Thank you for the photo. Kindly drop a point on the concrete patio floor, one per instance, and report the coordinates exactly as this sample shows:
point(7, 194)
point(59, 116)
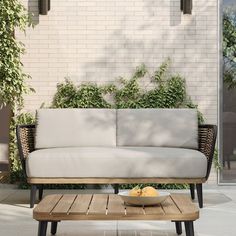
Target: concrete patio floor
point(217, 218)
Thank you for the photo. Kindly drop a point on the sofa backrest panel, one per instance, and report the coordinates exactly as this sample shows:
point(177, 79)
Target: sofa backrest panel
point(157, 127)
point(75, 128)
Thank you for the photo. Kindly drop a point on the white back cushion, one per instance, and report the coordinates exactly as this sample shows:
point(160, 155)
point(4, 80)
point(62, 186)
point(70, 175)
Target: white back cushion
point(157, 127)
point(75, 128)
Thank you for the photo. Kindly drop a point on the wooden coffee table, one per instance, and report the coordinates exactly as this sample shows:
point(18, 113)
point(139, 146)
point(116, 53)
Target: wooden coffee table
point(177, 208)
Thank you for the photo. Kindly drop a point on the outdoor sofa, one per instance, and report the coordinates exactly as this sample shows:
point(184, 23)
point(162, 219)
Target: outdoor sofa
point(109, 146)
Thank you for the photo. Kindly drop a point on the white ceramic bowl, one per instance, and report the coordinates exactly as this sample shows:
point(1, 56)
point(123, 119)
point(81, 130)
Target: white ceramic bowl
point(143, 201)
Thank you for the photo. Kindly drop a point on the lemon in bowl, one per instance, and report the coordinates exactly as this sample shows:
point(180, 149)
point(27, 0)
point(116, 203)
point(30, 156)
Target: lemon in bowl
point(147, 196)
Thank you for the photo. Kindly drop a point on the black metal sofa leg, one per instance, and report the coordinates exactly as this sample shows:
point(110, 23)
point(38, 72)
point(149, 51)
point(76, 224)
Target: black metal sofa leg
point(192, 191)
point(40, 187)
point(199, 195)
point(33, 195)
point(116, 188)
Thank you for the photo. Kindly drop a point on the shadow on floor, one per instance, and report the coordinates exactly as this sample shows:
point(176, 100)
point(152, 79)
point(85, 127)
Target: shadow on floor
point(212, 199)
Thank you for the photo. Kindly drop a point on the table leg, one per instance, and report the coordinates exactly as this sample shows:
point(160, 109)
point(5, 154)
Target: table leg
point(42, 228)
point(189, 229)
point(178, 226)
point(54, 227)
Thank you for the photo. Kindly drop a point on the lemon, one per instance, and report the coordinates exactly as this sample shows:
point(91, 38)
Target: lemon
point(149, 192)
point(135, 192)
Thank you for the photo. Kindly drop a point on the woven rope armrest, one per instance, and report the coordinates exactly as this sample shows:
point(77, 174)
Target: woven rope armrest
point(25, 141)
point(207, 140)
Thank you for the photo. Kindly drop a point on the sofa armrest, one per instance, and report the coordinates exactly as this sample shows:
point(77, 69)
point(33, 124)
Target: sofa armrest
point(207, 140)
point(25, 141)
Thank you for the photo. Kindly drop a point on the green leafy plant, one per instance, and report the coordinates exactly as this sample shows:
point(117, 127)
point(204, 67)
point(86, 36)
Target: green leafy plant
point(157, 186)
point(216, 162)
point(13, 15)
point(165, 91)
point(13, 86)
point(16, 174)
point(229, 47)
point(86, 96)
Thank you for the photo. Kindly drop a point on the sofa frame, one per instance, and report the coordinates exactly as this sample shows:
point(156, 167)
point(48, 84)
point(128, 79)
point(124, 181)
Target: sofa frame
point(206, 136)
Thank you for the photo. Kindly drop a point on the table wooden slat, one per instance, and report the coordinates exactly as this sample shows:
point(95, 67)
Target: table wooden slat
point(49, 203)
point(154, 210)
point(169, 207)
point(115, 205)
point(64, 204)
point(134, 210)
point(81, 204)
point(184, 203)
point(98, 204)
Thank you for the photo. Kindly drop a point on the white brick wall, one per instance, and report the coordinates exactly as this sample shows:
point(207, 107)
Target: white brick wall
point(98, 40)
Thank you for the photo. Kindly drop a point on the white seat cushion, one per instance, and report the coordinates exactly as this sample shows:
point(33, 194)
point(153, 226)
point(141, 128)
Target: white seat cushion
point(75, 128)
point(126, 162)
point(157, 127)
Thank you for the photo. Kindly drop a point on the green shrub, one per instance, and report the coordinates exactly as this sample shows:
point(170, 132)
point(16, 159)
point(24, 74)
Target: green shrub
point(158, 186)
point(164, 91)
point(86, 96)
point(17, 174)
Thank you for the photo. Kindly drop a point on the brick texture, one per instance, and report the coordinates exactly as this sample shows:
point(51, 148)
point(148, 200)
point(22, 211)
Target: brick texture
point(99, 40)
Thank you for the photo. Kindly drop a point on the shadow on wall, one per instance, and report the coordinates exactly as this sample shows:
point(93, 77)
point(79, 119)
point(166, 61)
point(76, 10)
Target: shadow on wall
point(148, 41)
point(175, 16)
point(129, 45)
point(33, 8)
point(125, 48)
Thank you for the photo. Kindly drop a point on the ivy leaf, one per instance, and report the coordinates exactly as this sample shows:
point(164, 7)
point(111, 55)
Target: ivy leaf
point(13, 16)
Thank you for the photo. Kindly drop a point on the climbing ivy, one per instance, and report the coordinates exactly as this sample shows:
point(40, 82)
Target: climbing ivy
point(164, 90)
point(13, 81)
point(86, 96)
point(13, 16)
